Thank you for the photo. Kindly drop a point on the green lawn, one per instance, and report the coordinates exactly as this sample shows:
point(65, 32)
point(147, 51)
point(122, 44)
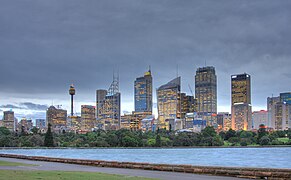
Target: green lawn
point(6, 163)
point(61, 175)
point(285, 140)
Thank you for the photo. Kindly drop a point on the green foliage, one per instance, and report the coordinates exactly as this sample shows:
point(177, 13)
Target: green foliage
point(151, 142)
point(158, 141)
point(49, 139)
point(4, 131)
point(229, 134)
point(265, 140)
point(127, 138)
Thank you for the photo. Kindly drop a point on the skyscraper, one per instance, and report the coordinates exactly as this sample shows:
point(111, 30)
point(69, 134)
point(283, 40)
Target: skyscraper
point(279, 111)
point(108, 107)
point(241, 108)
point(206, 94)
point(271, 102)
point(100, 97)
point(143, 100)
point(168, 103)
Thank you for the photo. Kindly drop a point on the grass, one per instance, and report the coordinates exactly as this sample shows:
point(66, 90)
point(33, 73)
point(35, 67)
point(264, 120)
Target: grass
point(61, 175)
point(285, 140)
point(6, 163)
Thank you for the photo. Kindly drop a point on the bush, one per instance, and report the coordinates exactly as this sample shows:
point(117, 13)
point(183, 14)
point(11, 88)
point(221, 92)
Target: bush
point(243, 143)
point(276, 142)
point(265, 140)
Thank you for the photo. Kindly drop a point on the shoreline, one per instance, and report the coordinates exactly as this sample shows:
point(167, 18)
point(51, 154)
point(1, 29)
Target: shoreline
point(176, 147)
point(247, 172)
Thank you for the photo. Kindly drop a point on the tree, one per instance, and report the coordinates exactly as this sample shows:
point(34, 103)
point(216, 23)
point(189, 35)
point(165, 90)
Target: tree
point(261, 133)
point(158, 141)
point(265, 140)
point(4, 131)
point(229, 134)
point(34, 130)
point(130, 141)
point(49, 139)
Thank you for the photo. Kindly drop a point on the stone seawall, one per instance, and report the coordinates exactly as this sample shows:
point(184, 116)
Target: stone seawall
point(266, 173)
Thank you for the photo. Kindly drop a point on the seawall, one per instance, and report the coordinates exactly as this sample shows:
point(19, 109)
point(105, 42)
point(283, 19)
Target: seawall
point(254, 173)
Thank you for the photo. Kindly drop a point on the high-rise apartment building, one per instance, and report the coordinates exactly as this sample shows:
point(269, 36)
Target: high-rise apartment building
point(206, 94)
point(143, 88)
point(9, 120)
point(241, 108)
point(57, 118)
point(282, 116)
point(108, 107)
point(169, 106)
point(88, 118)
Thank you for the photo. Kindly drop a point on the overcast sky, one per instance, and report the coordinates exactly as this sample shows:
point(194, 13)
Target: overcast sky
point(47, 45)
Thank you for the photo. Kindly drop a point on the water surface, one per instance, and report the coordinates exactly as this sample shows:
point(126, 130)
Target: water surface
point(232, 157)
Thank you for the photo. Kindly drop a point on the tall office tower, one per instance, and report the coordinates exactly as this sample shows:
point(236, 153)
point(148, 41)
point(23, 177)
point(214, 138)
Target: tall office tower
point(271, 102)
point(100, 97)
point(57, 118)
point(206, 94)
point(108, 107)
point(241, 108)
point(88, 118)
point(168, 103)
point(9, 120)
point(260, 117)
point(143, 90)
point(188, 105)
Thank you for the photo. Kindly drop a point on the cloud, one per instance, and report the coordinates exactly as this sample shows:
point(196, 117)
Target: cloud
point(26, 105)
point(50, 45)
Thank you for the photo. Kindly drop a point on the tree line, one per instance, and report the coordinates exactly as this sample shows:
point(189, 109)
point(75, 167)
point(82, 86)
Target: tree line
point(160, 138)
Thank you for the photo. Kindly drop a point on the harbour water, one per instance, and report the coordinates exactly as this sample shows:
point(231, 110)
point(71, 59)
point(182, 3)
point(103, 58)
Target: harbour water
point(277, 157)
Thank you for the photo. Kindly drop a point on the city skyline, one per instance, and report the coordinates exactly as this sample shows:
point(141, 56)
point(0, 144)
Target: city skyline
point(82, 44)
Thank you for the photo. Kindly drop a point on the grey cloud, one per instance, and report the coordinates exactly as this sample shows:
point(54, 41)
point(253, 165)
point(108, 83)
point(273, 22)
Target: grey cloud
point(26, 105)
point(50, 44)
point(10, 106)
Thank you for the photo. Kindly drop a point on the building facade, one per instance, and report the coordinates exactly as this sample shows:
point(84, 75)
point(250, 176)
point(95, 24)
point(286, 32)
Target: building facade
point(143, 90)
point(169, 106)
point(57, 118)
point(271, 102)
point(206, 94)
point(241, 108)
point(108, 107)
point(259, 118)
point(285, 98)
point(88, 118)
point(279, 111)
point(224, 121)
point(40, 123)
point(9, 120)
